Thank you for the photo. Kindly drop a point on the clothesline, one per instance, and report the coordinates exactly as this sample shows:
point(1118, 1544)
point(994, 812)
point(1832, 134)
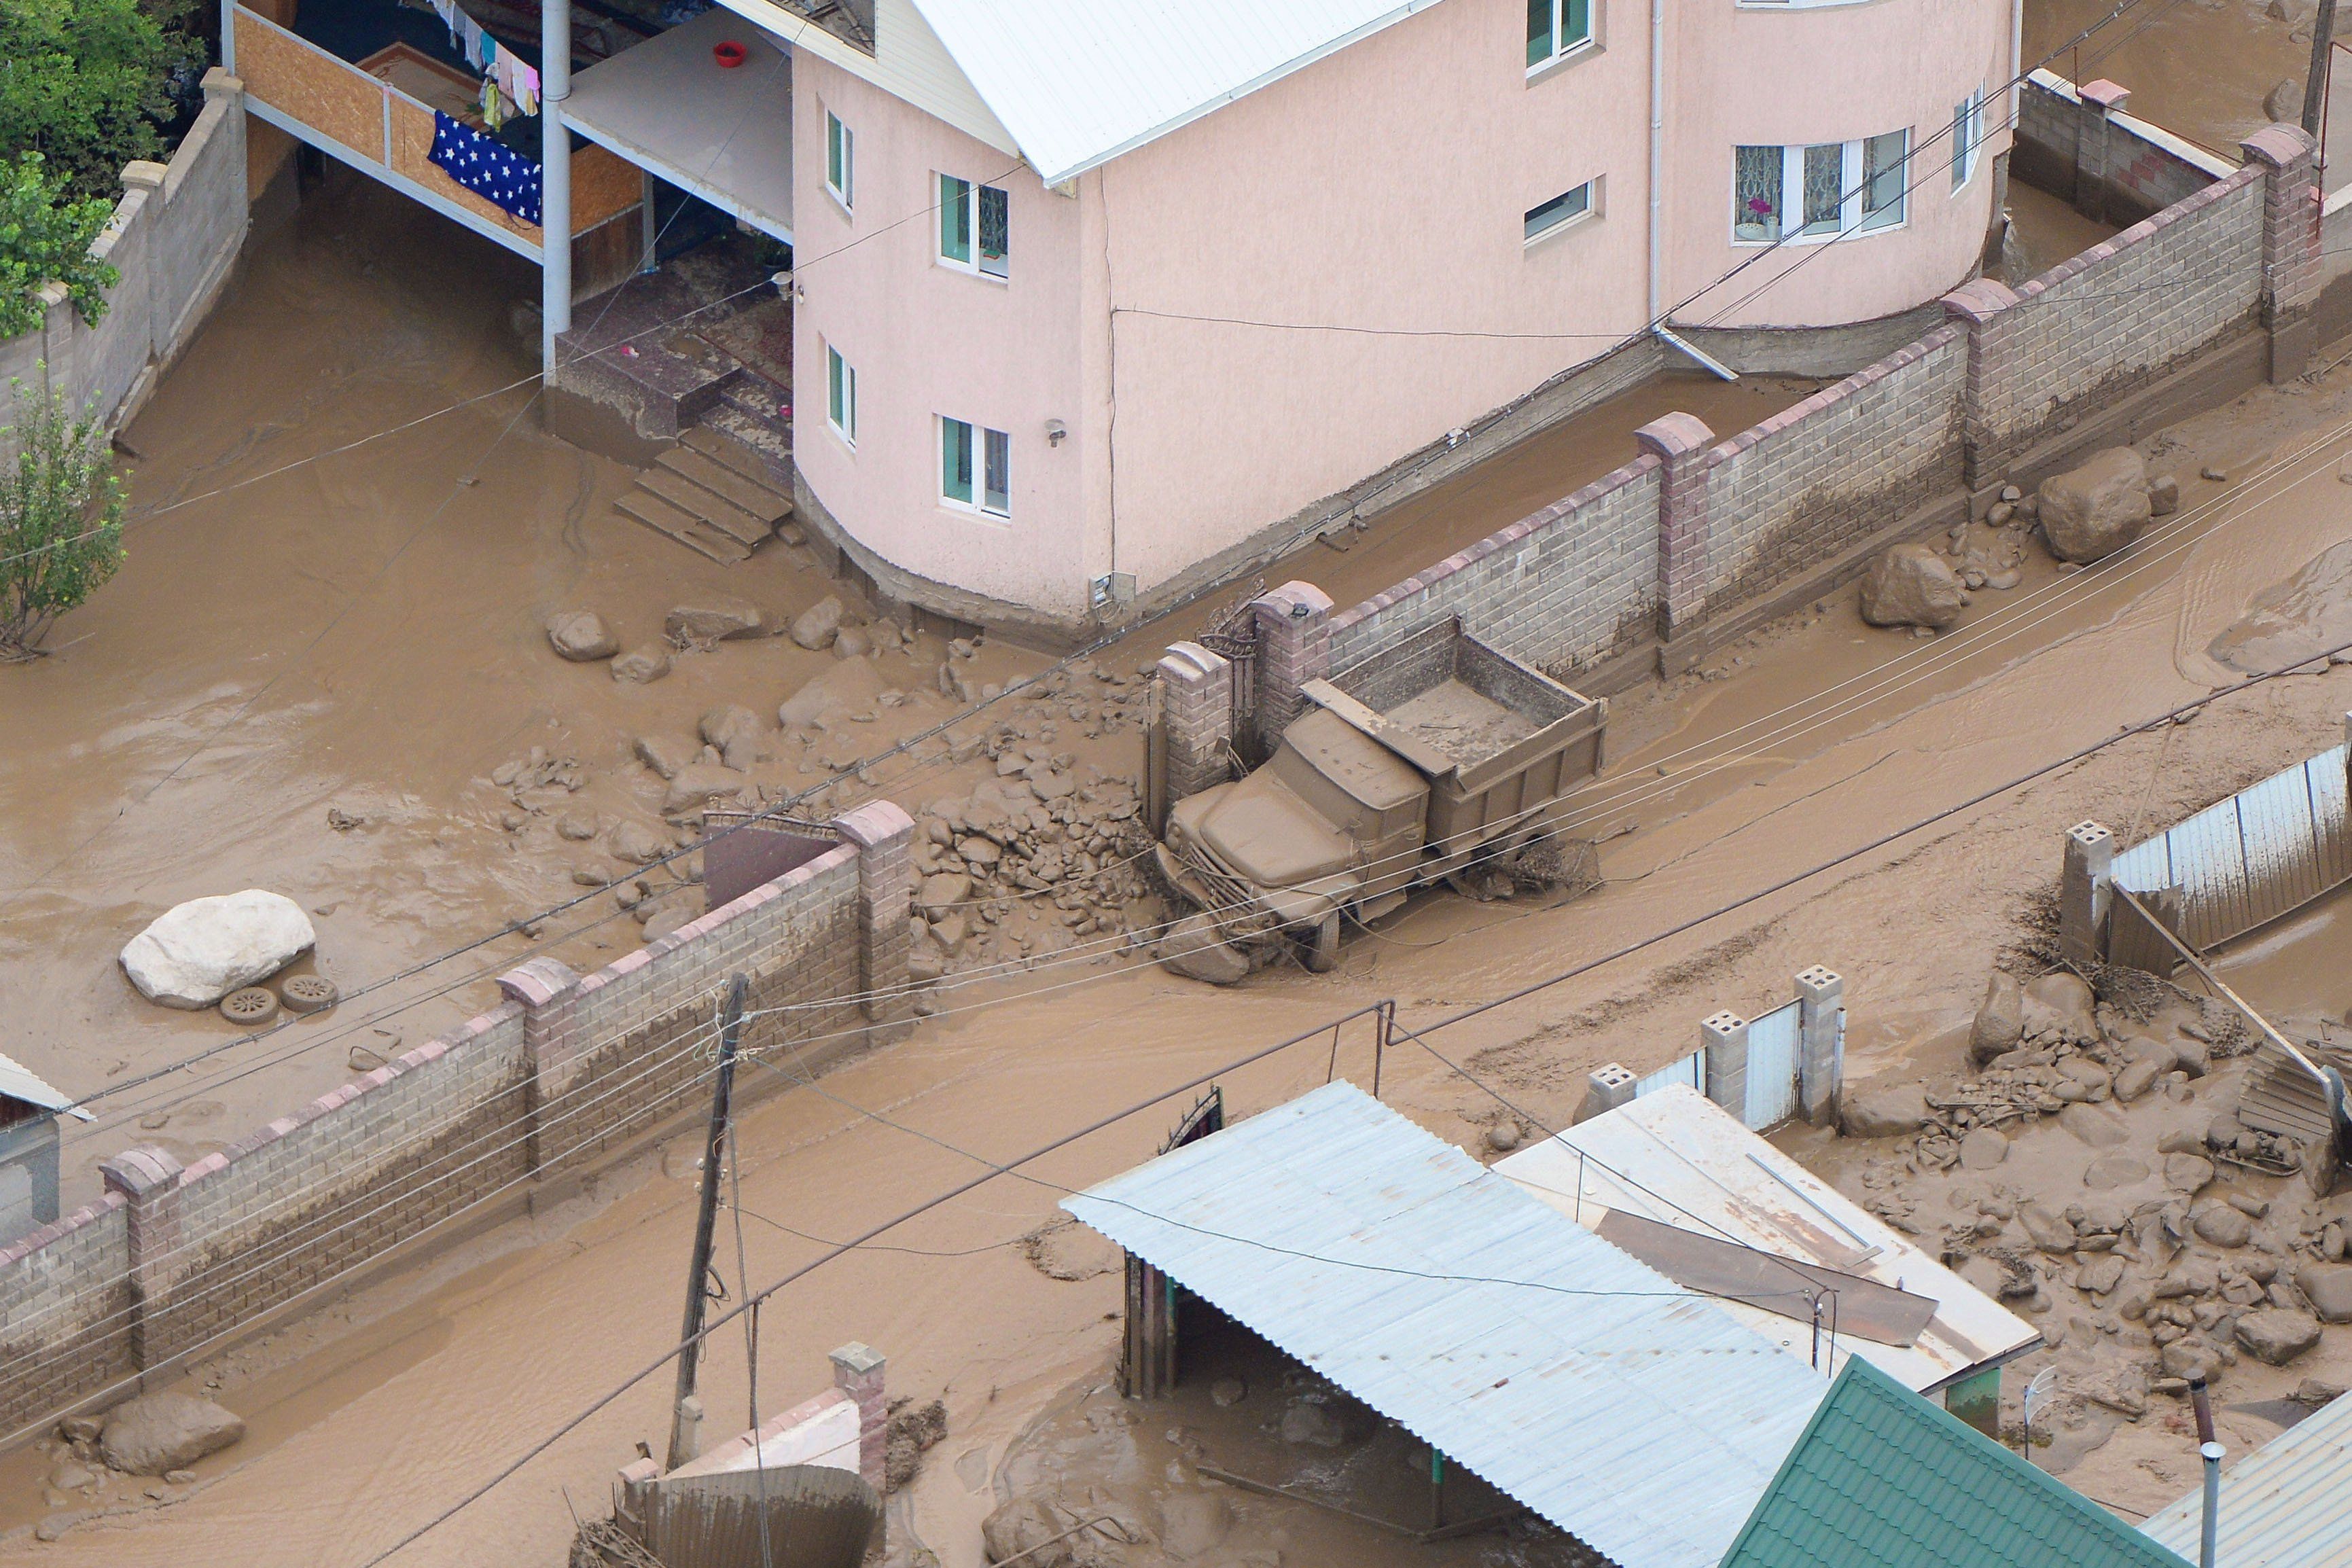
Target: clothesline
point(509, 86)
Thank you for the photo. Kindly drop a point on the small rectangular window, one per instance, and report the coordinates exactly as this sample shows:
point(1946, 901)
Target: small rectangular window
point(955, 220)
point(840, 160)
point(1824, 187)
point(1756, 193)
point(975, 467)
point(975, 227)
point(1885, 166)
point(1967, 132)
point(995, 230)
point(1555, 28)
point(1563, 208)
point(840, 396)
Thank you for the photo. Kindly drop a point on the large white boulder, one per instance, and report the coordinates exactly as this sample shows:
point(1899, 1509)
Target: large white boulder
point(199, 952)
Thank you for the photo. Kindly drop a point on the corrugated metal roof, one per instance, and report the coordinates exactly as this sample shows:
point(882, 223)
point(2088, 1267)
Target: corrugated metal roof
point(1636, 1415)
point(1678, 1158)
point(19, 1082)
point(1884, 1480)
point(2288, 1504)
point(1078, 82)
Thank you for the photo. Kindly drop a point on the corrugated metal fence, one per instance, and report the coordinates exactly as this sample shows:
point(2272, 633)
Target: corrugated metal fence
point(1773, 1042)
point(1690, 1072)
point(2252, 857)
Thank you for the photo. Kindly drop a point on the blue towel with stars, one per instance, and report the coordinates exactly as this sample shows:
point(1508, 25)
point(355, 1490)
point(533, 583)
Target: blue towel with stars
point(496, 172)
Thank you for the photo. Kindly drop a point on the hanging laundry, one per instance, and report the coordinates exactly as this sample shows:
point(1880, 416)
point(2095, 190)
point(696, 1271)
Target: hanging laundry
point(501, 174)
point(525, 91)
point(493, 104)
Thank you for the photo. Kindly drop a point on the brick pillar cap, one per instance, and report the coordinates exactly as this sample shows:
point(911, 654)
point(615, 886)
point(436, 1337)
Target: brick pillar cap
point(875, 822)
point(2088, 832)
point(1675, 435)
point(2279, 145)
point(139, 1170)
point(539, 981)
point(2109, 96)
point(855, 1360)
point(1280, 604)
point(1979, 300)
point(1189, 662)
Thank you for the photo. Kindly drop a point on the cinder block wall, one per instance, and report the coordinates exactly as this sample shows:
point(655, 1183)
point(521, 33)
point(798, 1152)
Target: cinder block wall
point(64, 1311)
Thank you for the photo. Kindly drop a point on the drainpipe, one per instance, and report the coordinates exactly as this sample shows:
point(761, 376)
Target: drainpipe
point(2210, 1452)
point(1657, 140)
point(555, 177)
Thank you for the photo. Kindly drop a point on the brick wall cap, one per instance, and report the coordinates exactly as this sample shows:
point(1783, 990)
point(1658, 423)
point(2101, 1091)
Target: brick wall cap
point(539, 981)
point(875, 822)
point(1189, 662)
point(2109, 96)
point(2279, 145)
point(1978, 299)
point(855, 1360)
point(1675, 435)
point(1279, 603)
point(138, 1171)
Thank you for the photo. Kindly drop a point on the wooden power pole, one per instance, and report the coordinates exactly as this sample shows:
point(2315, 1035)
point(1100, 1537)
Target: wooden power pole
point(685, 1432)
point(2314, 89)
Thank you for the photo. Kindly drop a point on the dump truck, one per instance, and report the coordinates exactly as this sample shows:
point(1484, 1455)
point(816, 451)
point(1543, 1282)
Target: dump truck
point(1421, 762)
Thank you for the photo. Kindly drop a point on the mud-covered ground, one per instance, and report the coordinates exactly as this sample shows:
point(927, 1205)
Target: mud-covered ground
point(338, 637)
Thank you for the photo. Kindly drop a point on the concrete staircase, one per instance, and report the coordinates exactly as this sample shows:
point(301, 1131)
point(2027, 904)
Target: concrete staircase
point(712, 492)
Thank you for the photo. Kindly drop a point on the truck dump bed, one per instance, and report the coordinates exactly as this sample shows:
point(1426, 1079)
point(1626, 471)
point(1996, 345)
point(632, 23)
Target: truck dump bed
point(1498, 741)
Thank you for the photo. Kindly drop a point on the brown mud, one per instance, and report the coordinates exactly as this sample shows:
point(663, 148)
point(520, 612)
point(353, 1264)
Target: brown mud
point(2200, 69)
point(409, 665)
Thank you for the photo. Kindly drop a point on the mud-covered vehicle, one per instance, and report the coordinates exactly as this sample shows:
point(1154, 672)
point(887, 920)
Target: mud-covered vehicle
point(1418, 764)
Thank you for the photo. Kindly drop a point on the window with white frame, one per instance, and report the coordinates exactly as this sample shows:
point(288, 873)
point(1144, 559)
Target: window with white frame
point(840, 160)
point(1819, 192)
point(840, 396)
point(975, 227)
point(975, 467)
point(1559, 212)
point(1557, 27)
point(1967, 132)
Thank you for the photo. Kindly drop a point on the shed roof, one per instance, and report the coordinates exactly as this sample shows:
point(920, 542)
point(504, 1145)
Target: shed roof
point(19, 1082)
point(1078, 82)
point(1881, 1478)
point(1676, 1157)
point(1637, 1416)
point(2288, 1504)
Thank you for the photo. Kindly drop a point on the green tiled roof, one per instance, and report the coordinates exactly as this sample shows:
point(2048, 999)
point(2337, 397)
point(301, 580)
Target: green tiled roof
point(1881, 1478)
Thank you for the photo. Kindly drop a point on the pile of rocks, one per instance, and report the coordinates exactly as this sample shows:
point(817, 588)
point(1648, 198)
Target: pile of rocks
point(1095, 698)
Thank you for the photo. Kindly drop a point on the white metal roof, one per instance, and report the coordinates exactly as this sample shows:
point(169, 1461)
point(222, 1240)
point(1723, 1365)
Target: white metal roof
point(19, 1082)
point(1637, 1416)
point(1078, 82)
point(1676, 1157)
point(2288, 1504)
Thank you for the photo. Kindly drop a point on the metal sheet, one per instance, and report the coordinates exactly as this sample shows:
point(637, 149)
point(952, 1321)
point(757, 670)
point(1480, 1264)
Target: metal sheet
point(20, 1082)
point(2240, 862)
point(1780, 1285)
point(1639, 1418)
point(1688, 1073)
point(1774, 1044)
point(2288, 1504)
point(797, 1516)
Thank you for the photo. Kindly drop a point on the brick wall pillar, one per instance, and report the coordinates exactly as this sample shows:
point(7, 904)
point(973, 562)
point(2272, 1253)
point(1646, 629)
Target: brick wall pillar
point(149, 1179)
point(1820, 1044)
point(2100, 150)
point(1606, 1088)
point(857, 1372)
point(1724, 1035)
point(885, 837)
point(1196, 714)
point(2291, 251)
point(2090, 853)
point(1982, 310)
point(1293, 647)
point(544, 988)
point(1681, 442)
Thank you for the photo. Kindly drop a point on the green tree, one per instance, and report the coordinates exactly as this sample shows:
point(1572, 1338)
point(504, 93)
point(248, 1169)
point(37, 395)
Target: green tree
point(44, 240)
point(86, 84)
point(60, 518)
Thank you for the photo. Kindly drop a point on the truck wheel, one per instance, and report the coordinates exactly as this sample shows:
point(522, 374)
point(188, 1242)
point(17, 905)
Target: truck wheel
point(1323, 945)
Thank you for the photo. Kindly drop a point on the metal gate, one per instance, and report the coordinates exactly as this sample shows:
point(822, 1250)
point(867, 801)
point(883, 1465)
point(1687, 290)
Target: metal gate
point(2252, 857)
point(1775, 1042)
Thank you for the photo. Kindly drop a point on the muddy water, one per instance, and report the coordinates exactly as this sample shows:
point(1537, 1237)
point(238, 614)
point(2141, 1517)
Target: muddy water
point(2201, 68)
point(2306, 616)
point(2045, 231)
point(2293, 969)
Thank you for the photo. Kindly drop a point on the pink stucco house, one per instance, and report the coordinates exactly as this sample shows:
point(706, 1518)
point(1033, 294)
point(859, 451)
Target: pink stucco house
point(1104, 294)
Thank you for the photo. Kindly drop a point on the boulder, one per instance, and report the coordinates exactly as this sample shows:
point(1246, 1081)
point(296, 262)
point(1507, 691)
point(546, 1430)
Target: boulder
point(2095, 1125)
point(2222, 1225)
point(2066, 995)
point(2112, 1170)
point(640, 666)
point(2282, 104)
point(159, 1432)
point(942, 895)
point(1983, 1148)
point(581, 636)
point(1912, 585)
point(197, 953)
point(636, 843)
point(2000, 1019)
point(2163, 495)
point(2050, 1232)
point(697, 785)
point(2139, 1076)
point(735, 730)
point(2090, 512)
point(853, 685)
point(2187, 1172)
point(1192, 1523)
point(716, 618)
point(852, 641)
point(2329, 1288)
point(816, 626)
point(1039, 1532)
point(1887, 1113)
point(666, 754)
point(2276, 1335)
point(2190, 1358)
point(1315, 1423)
point(2101, 1274)
point(1195, 949)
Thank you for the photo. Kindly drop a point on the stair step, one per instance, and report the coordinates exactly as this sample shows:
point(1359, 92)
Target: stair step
point(706, 507)
point(715, 440)
point(716, 477)
point(691, 531)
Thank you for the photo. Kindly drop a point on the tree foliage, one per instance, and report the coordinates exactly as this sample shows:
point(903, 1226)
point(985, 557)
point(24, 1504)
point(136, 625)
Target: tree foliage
point(60, 518)
point(86, 84)
point(44, 240)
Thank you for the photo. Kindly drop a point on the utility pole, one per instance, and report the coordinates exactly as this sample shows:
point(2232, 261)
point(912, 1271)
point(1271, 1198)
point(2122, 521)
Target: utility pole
point(686, 1422)
point(2314, 89)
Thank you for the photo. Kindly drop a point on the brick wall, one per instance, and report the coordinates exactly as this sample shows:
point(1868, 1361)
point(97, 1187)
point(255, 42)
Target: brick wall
point(1819, 478)
point(1562, 589)
point(64, 1317)
point(2105, 161)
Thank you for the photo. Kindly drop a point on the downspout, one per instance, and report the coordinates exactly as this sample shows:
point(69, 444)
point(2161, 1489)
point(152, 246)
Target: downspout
point(1657, 192)
point(555, 179)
